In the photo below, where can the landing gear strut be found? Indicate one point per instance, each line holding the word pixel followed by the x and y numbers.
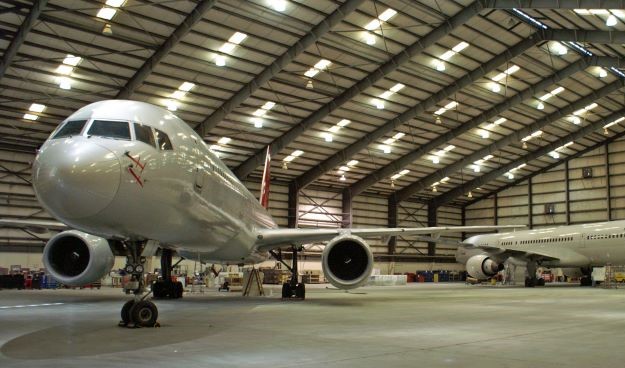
pixel 586 279
pixel 138 312
pixel 165 288
pixel 292 290
pixel 531 280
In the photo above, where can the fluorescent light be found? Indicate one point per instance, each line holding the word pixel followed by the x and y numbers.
pixel 342 178
pixel 178 94
pixel 64 69
pixel 511 70
pixel 186 86
pixel 385 148
pixel 72 60
pixel 328 137
pixel 258 122
pixel 37 107
pixel 224 140
pixel 389 141
pixel 352 163
pixel 476 168
pixel 369 39
pixel 451 105
pixel 495 87
pixel 278 5
pixel 379 104
pixel 30 117
pixel 334 128
pixel 603 73
pixel 614 122
pixel 311 72
pixel 459 47
pixel 171 105
pixel 436 159
pixel 115 3
pixel 106 13
pixel 268 105
pixel 484 134
pixel 540 106
pixel 343 123
pixel 220 60
pixel 399 135
pixel 65 83
pixel 322 64
pixel 397 87
pixel 237 38
pixel 386 95
pixel 227 47
pixel 500 121
pixel 611 21
pixel 259 112
pixel 404 172
pixel 445 179
pixel 448 54
pixel 289 158
pixel 387 14
pixel 297 153
pixel 372 25
pixel 344 168
pixel 440 66
pixel 576 120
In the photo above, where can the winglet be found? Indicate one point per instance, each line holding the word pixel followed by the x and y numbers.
pixel 264 186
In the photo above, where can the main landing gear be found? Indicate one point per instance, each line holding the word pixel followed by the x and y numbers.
pixel 532 280
pixel 292 290
pixel 165 288
pixel 586 279
pixel 138 312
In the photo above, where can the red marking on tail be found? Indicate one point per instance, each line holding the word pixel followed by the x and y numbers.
pixel 264 186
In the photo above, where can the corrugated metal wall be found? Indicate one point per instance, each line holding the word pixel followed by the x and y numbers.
pixel 588 197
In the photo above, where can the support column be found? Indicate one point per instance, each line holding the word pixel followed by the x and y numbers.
pixel 346 211
pixel 496 209
pixel 392 222
pixel 293 206
pixel 432 221
pixel 530 203
pixel 607 182
pixel 567 198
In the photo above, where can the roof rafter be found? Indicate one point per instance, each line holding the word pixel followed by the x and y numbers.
pixel 249 165
pixel 516 136
pixel 20 36
pixel 142 74
pixel 493 175
pixel 278 65
pixel 515 100
pixel 555 4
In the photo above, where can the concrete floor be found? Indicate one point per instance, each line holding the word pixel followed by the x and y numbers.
pixel 420 325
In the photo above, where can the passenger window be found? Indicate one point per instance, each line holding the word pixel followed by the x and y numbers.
pixel 144 134
pixel 110 129
pixel 163 141
pixel 70 128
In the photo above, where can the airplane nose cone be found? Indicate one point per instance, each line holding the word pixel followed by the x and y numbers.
pixel 76 179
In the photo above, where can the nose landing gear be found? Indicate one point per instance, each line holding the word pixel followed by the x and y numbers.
pixel 137 312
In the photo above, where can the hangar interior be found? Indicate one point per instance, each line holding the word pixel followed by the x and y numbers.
pixel 378 113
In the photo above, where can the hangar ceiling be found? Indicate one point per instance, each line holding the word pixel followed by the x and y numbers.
pixel 425 100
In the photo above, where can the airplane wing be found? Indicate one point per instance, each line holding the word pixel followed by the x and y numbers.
pixel 37 226
pixel 274 238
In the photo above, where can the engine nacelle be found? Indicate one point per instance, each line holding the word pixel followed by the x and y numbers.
pixel 347 262
pixel 482 267
pixel 75 258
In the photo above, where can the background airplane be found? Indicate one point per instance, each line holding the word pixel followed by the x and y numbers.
pixel 133 179
pixel 583 246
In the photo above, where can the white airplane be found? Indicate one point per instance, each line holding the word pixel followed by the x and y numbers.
pixel 581 246
pixel 131 178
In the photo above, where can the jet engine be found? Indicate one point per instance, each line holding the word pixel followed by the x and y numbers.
pixel 75 258
pixel 482 267
pixel 347 262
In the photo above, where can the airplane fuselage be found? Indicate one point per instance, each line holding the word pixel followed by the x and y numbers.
pixel 581 245
pixel 172 188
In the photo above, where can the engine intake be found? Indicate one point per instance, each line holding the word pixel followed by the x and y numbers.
pixel 347 262
pixel 482 267
pixel 75 258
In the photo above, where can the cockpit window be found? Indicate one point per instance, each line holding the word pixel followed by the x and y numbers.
pixel 144 134
pixel 70 128
pixel 163 140
pixel 110 129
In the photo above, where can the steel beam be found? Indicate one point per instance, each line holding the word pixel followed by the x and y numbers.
pixel 344 155
pixel 554 4
pixel 397 165
pixel 507 140
pixel 20 36
pixel 567 195
pixel 247 167
pixel 142 74
pixel 293 207
pixel 608 192
pixel 576 35
pixel 278 65
pixel 392 222
pixel 493 175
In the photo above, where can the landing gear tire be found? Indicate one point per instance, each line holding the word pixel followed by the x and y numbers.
pixel 286 290
pixel 529 282
pixel 585 281
pixel 300 291
pixel 126 313
pixel 540 282
pixel 144 314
